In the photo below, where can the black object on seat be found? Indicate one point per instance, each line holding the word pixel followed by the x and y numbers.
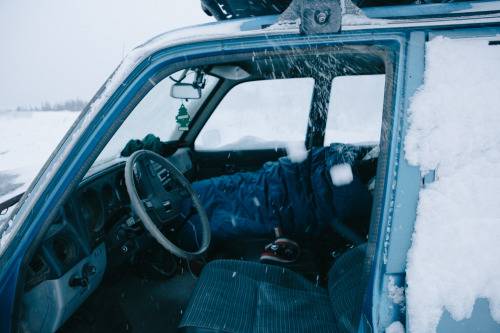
pixel 241 296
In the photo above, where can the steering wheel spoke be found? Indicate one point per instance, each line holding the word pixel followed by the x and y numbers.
pixel 164 207
pixel 160 199
pixel 148 179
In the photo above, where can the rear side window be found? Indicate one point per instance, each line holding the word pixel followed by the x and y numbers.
pixel 259 114
pixel 355 109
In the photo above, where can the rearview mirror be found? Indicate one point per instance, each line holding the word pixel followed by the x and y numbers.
pixel 185 91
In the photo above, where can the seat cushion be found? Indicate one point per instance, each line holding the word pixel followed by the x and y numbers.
pixel 344 280
pixel 239 296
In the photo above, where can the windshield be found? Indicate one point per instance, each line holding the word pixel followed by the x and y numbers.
pixel 158 113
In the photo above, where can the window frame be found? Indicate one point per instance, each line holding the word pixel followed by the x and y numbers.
pixel 68 165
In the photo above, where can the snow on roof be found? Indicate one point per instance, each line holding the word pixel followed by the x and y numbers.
pixel 455 122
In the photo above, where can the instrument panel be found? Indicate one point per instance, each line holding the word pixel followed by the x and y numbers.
pixel 97 212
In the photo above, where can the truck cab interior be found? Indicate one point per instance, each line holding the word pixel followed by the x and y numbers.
pixel 97 267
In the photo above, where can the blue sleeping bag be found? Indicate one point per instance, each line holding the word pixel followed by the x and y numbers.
pixel 299 197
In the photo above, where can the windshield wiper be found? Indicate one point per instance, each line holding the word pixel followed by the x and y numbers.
pixel 4 206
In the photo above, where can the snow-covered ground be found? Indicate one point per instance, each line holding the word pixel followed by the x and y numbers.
pixel 26 141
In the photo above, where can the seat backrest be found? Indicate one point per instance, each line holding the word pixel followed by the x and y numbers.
pixel 343 282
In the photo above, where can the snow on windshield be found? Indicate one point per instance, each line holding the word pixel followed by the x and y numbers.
pixel 455 122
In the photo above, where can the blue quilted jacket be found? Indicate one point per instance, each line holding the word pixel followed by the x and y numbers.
pixel 297 196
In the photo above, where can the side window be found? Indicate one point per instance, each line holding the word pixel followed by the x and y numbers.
pixel 259 114
pixel 355 110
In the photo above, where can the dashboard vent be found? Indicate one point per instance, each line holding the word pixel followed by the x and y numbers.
pixel 36 264
pixel 37 273
pixel 65 250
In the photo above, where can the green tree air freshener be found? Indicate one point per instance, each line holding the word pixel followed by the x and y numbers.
pixel 183 118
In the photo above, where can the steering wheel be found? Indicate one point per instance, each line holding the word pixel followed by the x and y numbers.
pixel 160 205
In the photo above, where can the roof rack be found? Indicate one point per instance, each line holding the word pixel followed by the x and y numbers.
pixel 316 16
pixel 234 9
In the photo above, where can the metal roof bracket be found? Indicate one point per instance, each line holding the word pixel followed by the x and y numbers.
pixel 319 16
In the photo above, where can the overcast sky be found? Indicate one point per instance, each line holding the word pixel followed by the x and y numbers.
pixel 56 50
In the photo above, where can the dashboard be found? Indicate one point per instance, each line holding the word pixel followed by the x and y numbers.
pixel 92 241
